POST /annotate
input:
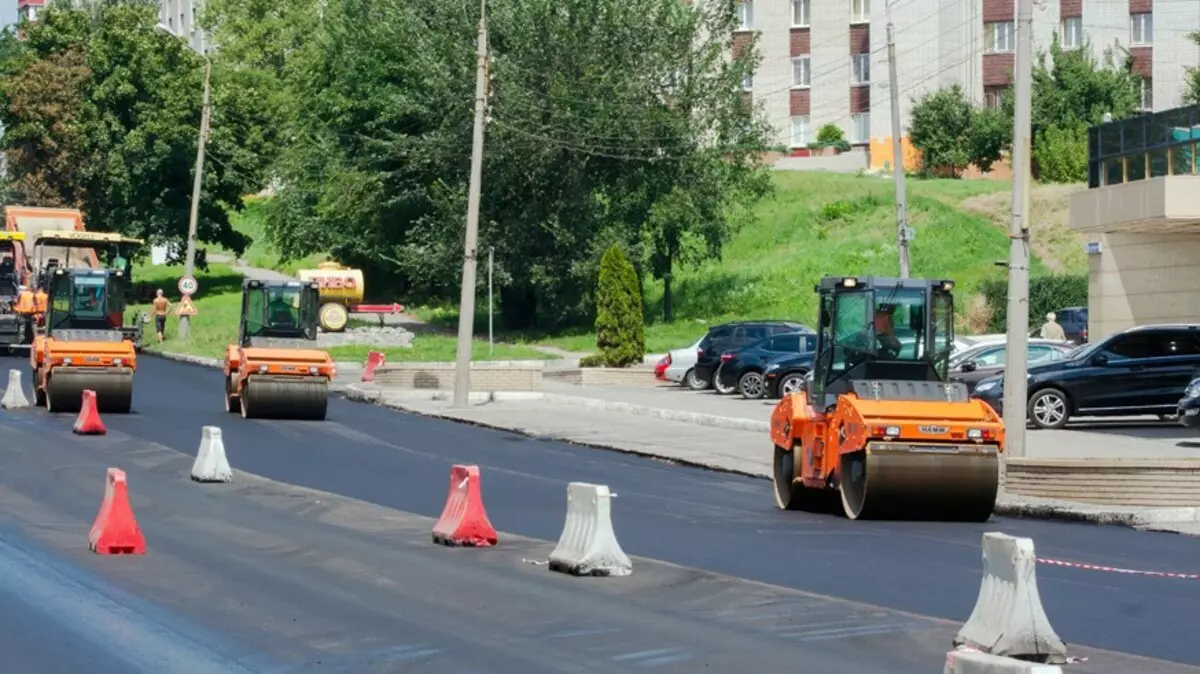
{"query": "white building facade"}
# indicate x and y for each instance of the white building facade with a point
(825, 61)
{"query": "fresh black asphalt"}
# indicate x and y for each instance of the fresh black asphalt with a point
(714, 522)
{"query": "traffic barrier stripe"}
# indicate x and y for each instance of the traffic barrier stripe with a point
(211, 463)
(464, 520)
(88, 422)
(1114, 569)
(14, 395)
(116, 531)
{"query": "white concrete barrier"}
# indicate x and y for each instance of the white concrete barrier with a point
(1008, 619)
(211, 464)
(588, 546)
(974, 662)
(14, 395)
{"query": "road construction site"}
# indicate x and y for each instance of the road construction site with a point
(317, 556)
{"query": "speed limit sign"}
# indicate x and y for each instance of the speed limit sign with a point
(188, 285)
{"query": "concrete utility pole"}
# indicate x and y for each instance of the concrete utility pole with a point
(466, 304)
(205, 119)
(1015, 384)
(897, 149)
(491, 269)
(189, 268)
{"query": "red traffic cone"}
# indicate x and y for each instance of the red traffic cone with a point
(88, 422)
(374, 360)
(115, 531)
(464, 520)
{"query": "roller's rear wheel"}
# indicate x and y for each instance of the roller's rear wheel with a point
(790, 495)
(39, 395)
(233, 404)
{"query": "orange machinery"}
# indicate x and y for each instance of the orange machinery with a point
(83, 345)
(274, 371)
(878, 422)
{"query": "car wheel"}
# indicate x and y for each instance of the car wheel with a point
(1049, 408)
(694, 382)
(721, 388)
(752, 386)
(793, 383)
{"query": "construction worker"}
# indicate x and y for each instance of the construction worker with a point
(25, 302)
(1052, 330)
(281, 310)
(162, 306)
(885, 329)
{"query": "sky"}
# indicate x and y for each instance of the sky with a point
(8, 12)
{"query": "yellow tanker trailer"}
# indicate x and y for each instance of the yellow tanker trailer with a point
(341, 293)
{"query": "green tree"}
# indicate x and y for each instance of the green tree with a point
(620, 331)
(1061, 153)
(1072, 87)
(116, 130)
(952, 133)
(642, 139)
(1191, 85)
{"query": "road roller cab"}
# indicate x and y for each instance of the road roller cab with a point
(274, 369)
(879, 421)
(83, 346)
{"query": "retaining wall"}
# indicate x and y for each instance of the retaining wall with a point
(1128, 482)
(513, 375)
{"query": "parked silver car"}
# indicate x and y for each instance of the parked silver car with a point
(682, 360)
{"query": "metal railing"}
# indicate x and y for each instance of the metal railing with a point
(1146, 146)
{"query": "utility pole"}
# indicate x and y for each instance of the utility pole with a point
(466, 304)
(205, 115)
(897, 149)
(1015, 384)
(491, 267)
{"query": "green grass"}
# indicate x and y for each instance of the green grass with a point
(218, 310)
(816, 224)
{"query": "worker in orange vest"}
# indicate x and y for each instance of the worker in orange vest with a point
(25, 302)
(885, 330)
(40, 302)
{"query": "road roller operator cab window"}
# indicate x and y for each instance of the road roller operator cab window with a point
(86, 300)
(285, 310)
(882, 329)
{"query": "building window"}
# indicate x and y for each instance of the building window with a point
(802, 72)
(993, 96)
(1072, 33)
(1142, 28)
(745, 15)
(800, 132)
(862, 69)
(1000, 37)
(860, 11)
(800, 13)
(860, 128)
(1147, 95)
(748, 82)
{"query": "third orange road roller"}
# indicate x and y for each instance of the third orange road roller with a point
(275, 370)
(879, 423)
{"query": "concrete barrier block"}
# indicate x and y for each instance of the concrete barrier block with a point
(588, 545)
(211, 463)
(1008, 619)
(975, 662)
(14, 395)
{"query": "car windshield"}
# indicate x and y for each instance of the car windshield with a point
(1084, 351)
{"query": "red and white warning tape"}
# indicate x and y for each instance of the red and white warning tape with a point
(1113, 569)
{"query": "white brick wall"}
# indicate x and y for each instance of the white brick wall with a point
(773, 19)
(1173, 19)
(830, 64)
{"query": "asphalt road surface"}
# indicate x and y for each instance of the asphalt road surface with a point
(266, 575)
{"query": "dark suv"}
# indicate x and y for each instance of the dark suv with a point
(731, 336)
(1143, 370)
(1074, 323)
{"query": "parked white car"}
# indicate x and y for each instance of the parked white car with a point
(682, 361)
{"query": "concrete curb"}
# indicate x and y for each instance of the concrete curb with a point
(1016, 505)
(218, 363)
(697, 418)
(361, 393)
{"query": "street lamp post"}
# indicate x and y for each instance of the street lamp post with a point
(189, 268)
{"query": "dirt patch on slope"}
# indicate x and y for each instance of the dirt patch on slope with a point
(1059, 248)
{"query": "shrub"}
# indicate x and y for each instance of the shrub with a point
(1061, 154)
(620, 329)
(830, 135)
(1046, 293)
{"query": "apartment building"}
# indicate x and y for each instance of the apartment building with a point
(825, 61)
(181, 16)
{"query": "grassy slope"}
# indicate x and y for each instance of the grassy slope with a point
(218, 305)
(768, 270)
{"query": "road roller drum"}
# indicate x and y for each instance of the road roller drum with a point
(266, 397)
(113, 387)
(899, 481)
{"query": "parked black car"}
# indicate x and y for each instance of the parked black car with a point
(730, 337)
(1143, 370)
(977, 363)
(1189, 405)
(742, 370)
(786, 375)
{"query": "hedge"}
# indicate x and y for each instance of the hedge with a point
(1046, 293)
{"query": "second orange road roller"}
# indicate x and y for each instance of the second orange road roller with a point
(879, 424)
(275, 370)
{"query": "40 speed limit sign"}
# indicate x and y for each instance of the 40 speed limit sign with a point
(188, 285)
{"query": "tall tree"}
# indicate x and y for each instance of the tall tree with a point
(583, 144)
(1191, 84)
(116, 129)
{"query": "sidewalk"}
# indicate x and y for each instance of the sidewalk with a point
(623, 420)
